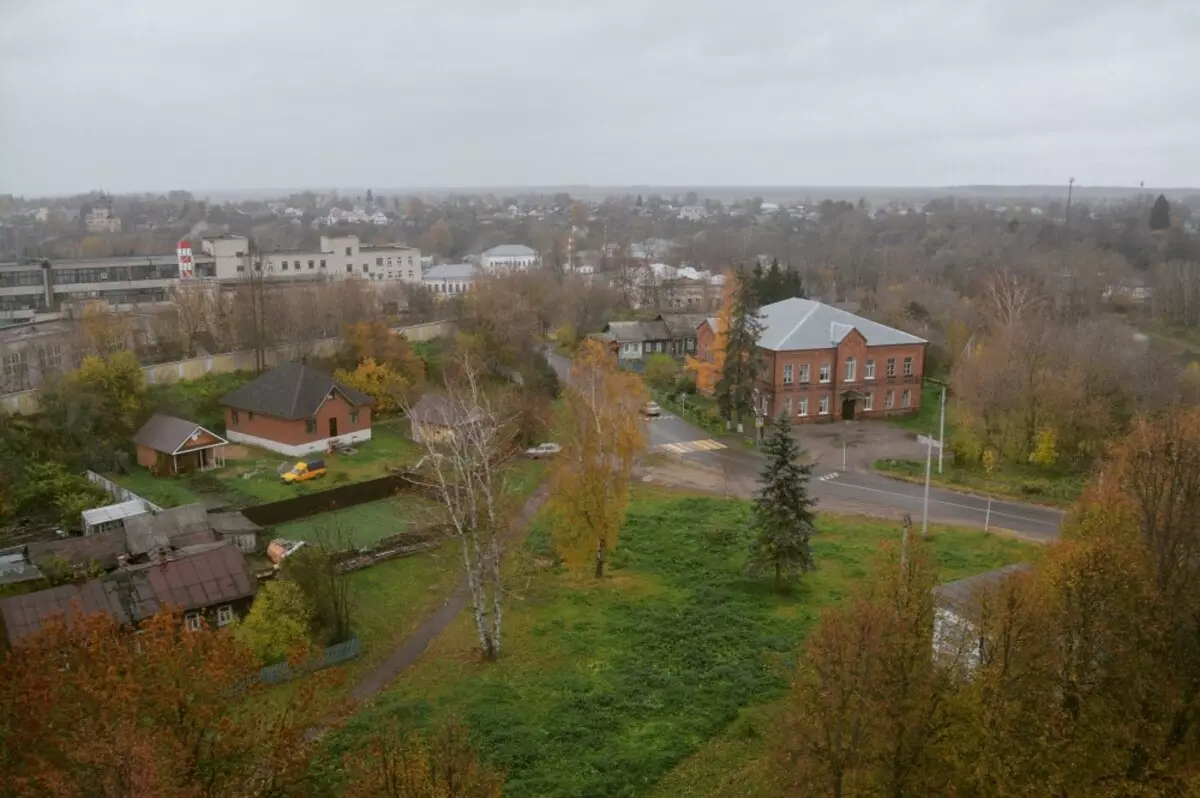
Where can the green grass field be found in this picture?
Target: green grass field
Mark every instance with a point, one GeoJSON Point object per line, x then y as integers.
{"type": "Point", "coordinates": [363, 524]}
{"type": "Point", "coordinates": [1021, 483]}
{"type": "Point", "coordinates": [607, 687]}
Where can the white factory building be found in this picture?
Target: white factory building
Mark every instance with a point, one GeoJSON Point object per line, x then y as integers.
{"type": "Point", "coordinates": [339, 257]}
{"type": "Point", "coordinates": [509, 257]}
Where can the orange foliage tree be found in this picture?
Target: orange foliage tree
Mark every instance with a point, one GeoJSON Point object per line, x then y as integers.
{"type": "Point", "coordinates": [374, 341]}
{"type": "Point", "coordinates": [602, 435]}
{"type": "Point", "coordinates": [389, 389]}
{"type": "Point", "coordinates": [395, 764]}
{"type": "Point", "coordinates": [87, 708]}
{"type": "Point", "coordinates": [708, 372]}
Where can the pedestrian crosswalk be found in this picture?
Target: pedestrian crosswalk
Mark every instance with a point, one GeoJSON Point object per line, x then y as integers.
{"type": "Point", "coordinates": [684, 447]}
{"type": "Point", "coordinates": [827, 477]}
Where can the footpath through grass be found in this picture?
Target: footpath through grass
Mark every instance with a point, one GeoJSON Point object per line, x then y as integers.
{"type": "Point", "coordinates": [606, 686]}
{"type": "Point", "coordinates": [1025, 484]}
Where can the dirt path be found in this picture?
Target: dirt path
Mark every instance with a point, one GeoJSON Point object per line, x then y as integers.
{"type": "Point", "coordinates": [411, 648]}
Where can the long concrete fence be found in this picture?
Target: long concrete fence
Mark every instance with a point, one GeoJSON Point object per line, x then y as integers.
{"type": "Point", "coordinates": [26, 402]}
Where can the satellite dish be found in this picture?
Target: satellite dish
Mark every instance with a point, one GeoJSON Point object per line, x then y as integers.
{"type": "Point", "coordinates": [196, 435]}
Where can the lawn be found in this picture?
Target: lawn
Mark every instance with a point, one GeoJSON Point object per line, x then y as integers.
{"type": "Point", "coordinates": [1021, 483]}
{"type": "Point", "coordinates": [927, 419]}
{"type": "Point", "coordinates": [362, 524]}
{"type": "Point", "coordinates": [389, 446]}
{"type": "Point", "coordinates": [606, 687]}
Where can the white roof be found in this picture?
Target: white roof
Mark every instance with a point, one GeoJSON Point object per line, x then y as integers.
{"type": "Point", "coordinates": [114, 512]}
{"type": "Point", "coordinates": [510, 251]}
{"type": "Point", "coordinates": [451, 271]}
{"type": "Point", "coordinates": [804, 324]}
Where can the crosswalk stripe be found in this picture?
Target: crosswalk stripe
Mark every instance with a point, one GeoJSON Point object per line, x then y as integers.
{"type": "Point", "coordinates": [683, 447]}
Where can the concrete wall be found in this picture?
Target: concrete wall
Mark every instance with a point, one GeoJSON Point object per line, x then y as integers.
{"type": "Point", "coordinates": [26, 402]}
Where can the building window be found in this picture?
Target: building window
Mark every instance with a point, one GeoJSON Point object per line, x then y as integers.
{"type": "Point", "coordinates": [905, 398]}
{"type": "Point", "coordinates": [322, 263]}
{"type": "Point", "coordinates": [824, 406]}
{"type": "Point", "coordinates": [366, 268]}
{"type": "Point", "coordinates": [908, 367]}
{"type": "Point", "coordinates": [787, 406]}
{"type": "Point", "coordinates": [869, 402]}
{"type": "Point", "coordinates": [284, 266]}
{"type": "Point", "coordinates": [353, 416]}
{"type": "Point", "coordinates": [233, 417]}
{"type": "Point", "coordinates": [192, 621]}
{"type": "Point", "coordinates": [824, 372]}
{"type": "Point", "coordinates": [851, 367]}
{"type": "Point", "coordinates": [349, 268]}
{"type": "Point", "coordinates": [888, 400]}
{"type": "Point", "coordinates": [312, 264]}
{"type": "Point", "coordinates": [241, 267]}
{"type": "Point", "coordinates": [224, 615]}
{"type": "Point", "coordinates": [310, 425]}
{"type": "Point", "coordinates": [379, 261]}
{"type": "Point", "coordinates": [787, 374]}
{"type": "Point", "coordinates": [803, 411]}
{"type": "Point", "coordinates": [297, 265]}
{"type": "Point", "coordinates": [870, 370]}
{"type": "Point", "coordinates": [891, 367]}
{"type": "Point", "coordinates": [804, 373]}
{"type": "Point", "coordinates": [348, 252]}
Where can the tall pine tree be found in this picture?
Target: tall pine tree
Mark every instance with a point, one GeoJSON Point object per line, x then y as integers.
{"type": "Point", "coordinates": [742, 367]}
{"type": "Point", "coordinates": [1160, 214]}
{"type": "Point", "coordinates": [784, 518]}
{"type": "Point", "coordinates": [777, 283]}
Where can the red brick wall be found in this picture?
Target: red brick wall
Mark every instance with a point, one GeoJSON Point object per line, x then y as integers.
{"type": "Point", "coordinates": [293, 432]}
{"type": "Point", "coordinates": [146, 456]}
{"type": "Point", "coordinates": [852, 346]}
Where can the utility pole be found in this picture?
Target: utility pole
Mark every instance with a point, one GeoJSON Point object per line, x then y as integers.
{"type": "Point", "coordinates": [925, 506]}
{"type": "Point", "coordinates": [906, 526]}
{"type": "Point", "coordinates": [941, 432]}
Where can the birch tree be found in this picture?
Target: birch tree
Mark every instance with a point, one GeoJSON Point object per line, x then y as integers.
{"type": "Point", "coordinates": [602, 436]}
{"type": "Point", "coordinates": [465, 474]}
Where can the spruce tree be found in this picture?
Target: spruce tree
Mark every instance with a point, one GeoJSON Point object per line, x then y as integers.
{"type": "Point", "coordinates": [742, 366]}
{"type": "Point", "coordinates": [1160, 214]}
{"type": "Point", "coordinates": [784, 518]}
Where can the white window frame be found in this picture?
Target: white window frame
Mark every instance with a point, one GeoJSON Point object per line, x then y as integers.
{"type": "Point", "coordinates": [906, 398]}
{"type": "Point", "coordinates": [803, 409]}
{"type": "Point", "coordinates": [224, 615]}
{"type": "Point", "coordinates": [869, 371]}
{"type": "Point", "coordinates": [787, 374]}
{"type": "Point", "coordinates": [869, 402]}
{"type": "Point", "coordinates": [851, 369]}
{"type": "Point", "coordinates": [889, 400]}
{"type": "Point", "coordinates": [823, 406]}
{"type": "Point", "coordinates": [192, 621]}
{"type": "Point", "coordinates": [908, 366]}
{"type": "Point", "coordinates": [787, 406]}
{"type": "Point", "coordinates": [804, 372]}
{"type": "Point", "coordinates": [891, 367]}
{"type": "Point", "coordinates": [823, 375]}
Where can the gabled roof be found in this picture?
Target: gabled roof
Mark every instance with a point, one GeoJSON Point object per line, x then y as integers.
{"type": "Point", "coordinates": [796, 323]}
{"type": "Point", "coordinates": [210, 575]}
{"type": "Point", "coordinates": [682, 325]}
{"type": "Point", "coordinates": [168, 434]}
{"type": "Point", "coordinates": [629, 332]}
{"type": "Point", "coordinates": [959, 594]}
{"type": "Point", "coordinates": [291, 391]}
{"type": "Point", "coordinates": [176, 526]}
{"type": "Point", "coordinates": [102, 548]}
{"type": "Point", "coordinates": [438, 411]}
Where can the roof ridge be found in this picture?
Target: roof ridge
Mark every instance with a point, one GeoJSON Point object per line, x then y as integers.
{"type": "Point", "coordinates": [803, 319]}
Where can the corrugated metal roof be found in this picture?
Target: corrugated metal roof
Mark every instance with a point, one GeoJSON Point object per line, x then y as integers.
{"type": "Point", "coordinates": [796, 324]}
{"type": "Point", "coordinates": [146, 533]}
{"type": "Point", "coordinates": [102, 548]}
{"type": "Point", "coordinates": [114, 512]}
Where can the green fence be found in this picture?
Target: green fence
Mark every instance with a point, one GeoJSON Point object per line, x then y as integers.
{"type": "Point", "coordinates": [334, 655]}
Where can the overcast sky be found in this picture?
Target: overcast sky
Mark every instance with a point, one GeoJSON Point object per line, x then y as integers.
{"type": "Point", "coordinates": [241, 94]}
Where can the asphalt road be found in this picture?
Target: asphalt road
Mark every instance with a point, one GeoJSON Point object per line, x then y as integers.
{"type": "Point", "coordinates": [672, 435]}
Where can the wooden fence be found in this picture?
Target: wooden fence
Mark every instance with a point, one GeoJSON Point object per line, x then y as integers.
{"type": "Point", "coordinates": [285, 510]}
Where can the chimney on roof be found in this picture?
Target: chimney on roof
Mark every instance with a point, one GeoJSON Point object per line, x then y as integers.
{"type": "Point", "coordinates": [162, 557]}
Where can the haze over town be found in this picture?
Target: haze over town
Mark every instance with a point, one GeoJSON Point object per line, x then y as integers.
{"type": "Point", "coordinates": [467, 399]}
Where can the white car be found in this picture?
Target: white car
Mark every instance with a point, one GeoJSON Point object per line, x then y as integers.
{"type": "Point", "coordinates": [543, 450]}
{"type": "Point", "coordinates": [651, 410]}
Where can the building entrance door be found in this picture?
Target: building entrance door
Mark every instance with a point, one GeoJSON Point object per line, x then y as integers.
{"type": "Point", "coordinates": [333, 427]}
{"type": "Point", "coordinates": [848, 408]}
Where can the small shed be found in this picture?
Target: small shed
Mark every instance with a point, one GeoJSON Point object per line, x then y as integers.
{"type": "Point", "coordinates": [111, 516]}
{"type": "Point", "coordinates": [168, 445]}
{"type": "Point", "coordinates": [236, 528]}
{"type": "Point", "coordinates": [435, 418]}
{"type": "Point", "coordinates": [178, 526]}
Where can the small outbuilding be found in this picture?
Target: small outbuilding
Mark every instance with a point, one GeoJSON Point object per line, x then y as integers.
{"type": "Point", "coordinates": [168, 445]}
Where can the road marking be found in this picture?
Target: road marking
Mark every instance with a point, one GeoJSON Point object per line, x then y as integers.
{"type": "Point", "coordinates": [660, 417]}
{"type": "Point", "coordinates": [684, 447]}
{"type": "Point", "coordinates": [918, 499]}
{"type": "Point", "coordinates": [828, 477]}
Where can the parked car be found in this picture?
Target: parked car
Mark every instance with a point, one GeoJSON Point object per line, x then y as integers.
{"type": "Point", "coordinates": [651, 410]}
{"type": "Point", "coordinates": [543, 450]}
{"type": "Point", "coordinates": [305, 470]}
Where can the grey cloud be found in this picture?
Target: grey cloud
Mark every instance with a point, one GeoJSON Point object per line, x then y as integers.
{"type": "Point", "coordinates": [155, 94]}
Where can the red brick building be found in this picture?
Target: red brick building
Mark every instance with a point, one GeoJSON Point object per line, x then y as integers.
{"type": "Point", "coordinates": [296, 410]}
{"type": "Point", "coordinates": [168, 445]}
{"type": "Point", "coordinates": [822, 363]}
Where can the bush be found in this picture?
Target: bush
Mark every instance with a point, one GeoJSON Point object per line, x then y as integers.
{"type": "Point", "coordinates": [278, 622]}
{"type": "Point", "coordinates": [661, 371]}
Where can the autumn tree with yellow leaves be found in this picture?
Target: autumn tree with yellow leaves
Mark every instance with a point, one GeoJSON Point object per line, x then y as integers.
{"type": "Point", "coordinates": [708, 371]}
{"type": "Point", "coordinates": [602, 435]}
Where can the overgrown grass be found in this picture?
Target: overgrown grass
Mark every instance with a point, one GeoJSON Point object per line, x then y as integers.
{"type": "Point", "coordinates": [197, 400]}
{"type": "Point", "coordinates": [606, 685]}
{"type": "Point", "coordinates": [1022, 483]}
{"type": "Point", "coordinates": [927, 419]}
{"type": "Point", "coordinates": [362, 524]}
